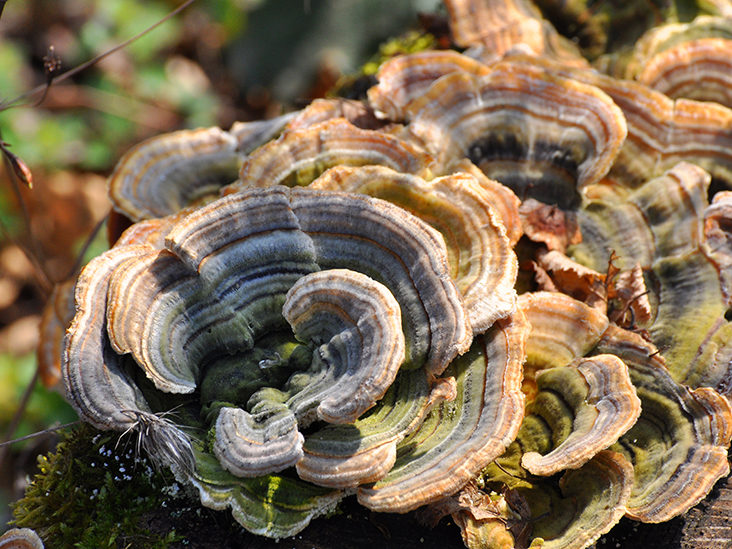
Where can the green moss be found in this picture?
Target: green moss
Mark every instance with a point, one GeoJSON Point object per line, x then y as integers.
{"type": "Point", "coordinates": [93, 492]}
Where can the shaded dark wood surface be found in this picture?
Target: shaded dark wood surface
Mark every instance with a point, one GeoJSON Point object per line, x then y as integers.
{"type": "Point", "coordinates": [707, 526]}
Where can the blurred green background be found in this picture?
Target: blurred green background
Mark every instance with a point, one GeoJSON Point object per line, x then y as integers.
{"type": "Point", "coordinates": [216, 62]}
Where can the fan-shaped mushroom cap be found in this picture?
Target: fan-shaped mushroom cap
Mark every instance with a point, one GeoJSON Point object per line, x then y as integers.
{"type": "Point", "coordinates": [405, 78]}
{"type": "Point", "coordinates": [56, 317]}
{"type": "Point", "coordinates": [661, 132]}
{"type": "Point", "coordinates": [686, 60]}
{"type": "Point", "coordinates": [222, 281]}
{"type": "Point", "coordinates": [679, 444]}
{"type": "Point", "coordinates": [169, 172]}
{"type": "Point", "coordinates": [661, 218]}
{"type": "Point", "coordinates": [572, 511]}
{"type": "Point", "coordinates": [545, 145]}
{"type": "Point", "coordinates": [503, 199]}
{"type": "Point", "coordinates": [660, 227]}
{"type": "Point", "coordinates": [461, 436]}
{"type": "Point", "coordinates": [89, 361]}
{"type": "Point", "coordinates": [300, 156]}
{"type": "Point", "coordinates": [20, 538]}
{"type": "Point", "coordinates": [698, 69]}
{"type": "Point", "coordinates": [499, 25]}
{"type": "Point", "coordinates": [366, 320]}
{"type": "Point", "coordinates": [589, 501]}
{"type": "Point", "coordinates": [346, 456]}
{"type": "Point", "coordinates": [166, 173]}
{"type": "Point", "coordinates": [562, 329]}
{"type": "Point", "coordinates": [579, 410]}
{"type": "Point", "coordinates": [481, 260]}
{"type": "Point", "coordinates": [275, 506]}
{"type": "Point", "coordinates": [100, 384]}
{"type": "Point", "coordinates": [691, 301]}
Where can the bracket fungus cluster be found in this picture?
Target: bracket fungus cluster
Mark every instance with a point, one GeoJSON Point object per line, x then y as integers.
{"type": "Point", "coordinates": [496, 288]}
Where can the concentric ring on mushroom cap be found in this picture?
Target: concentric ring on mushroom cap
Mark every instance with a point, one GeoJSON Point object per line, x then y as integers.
{"type": "Point", "coordinates": [496, 26]}
{"type": "Point", "coordinates": [481, 260]}
{"type": "Point", "coordinates": [662, 217]}
{"type": "Point", "coordinates": [221, 284]}
{"type": "Point", "coordinates": [56, 317]}
{"type": "Point", "coordinates": [301, 155]}
{"type": "Point", "coordinates": [407, 77]}
{"type": "Point", "coordinates": [679, 444]}
{"type": "Point", "coordinates": [20, 538]}
{"type": "Point", "coordinates": [688, 60]}
{"type": "Point", "coordinates": [168, 172]}
{"type": "Point", "coordinates": [597, 403]}
{"type": "Point", "coordinates": [460, 437]}
{"type": "Point", "coordinates": [165, 173]}
{"type": "Point", "coordinates": [661, 132]}
{"type": "Point", "coordinates": [562, 330]}
{"type": "Point", "coordinates": [542, 135]}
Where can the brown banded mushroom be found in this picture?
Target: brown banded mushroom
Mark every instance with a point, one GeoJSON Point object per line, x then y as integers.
{"type": "Point", "coordinates": [688, 60]}
{"type": "Point", "coordinates": [215, 302]}
{"type": "Point", "coordinates": [662, 217]}
{"type": "Point", "coordinates": [598, 394]}
{"type": "Point", "coordinates": [169, 172]}
{"type": "Point", "coordinates": [481, 260]}
{"type": "Point", "coordinates": [321, 110]}
{"type": "Point", "coordinates": [301, 155]}
{"type": "Point", "coordinates": [462, 435]}
{"type": "Point", "coordinates": [571, 511]}
{"type": "Point", "coordinates": [405, 78]}
{"type": "Point", "coordinates": [56, 317]}
{"type": "Point", "coordinates": [679, 445]}
{"type": "Point", "coordinates": [20, 538]}
{"type": "Point", "coordinates": [497, 26]}
{"type": "Point", "coordinates": [562, 330]}
{"type": "Point", "coordinates": [319, 343]}
{"type": "Point", "coordinates": [661, 227]}
{"type": "Point", "coordinates": [661, 132]}
{"type": "Point", "coordinates": [546, 145]}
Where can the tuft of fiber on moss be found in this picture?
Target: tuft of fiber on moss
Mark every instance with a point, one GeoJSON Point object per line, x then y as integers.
{"type": "Point", "coordinates": [95, 491]}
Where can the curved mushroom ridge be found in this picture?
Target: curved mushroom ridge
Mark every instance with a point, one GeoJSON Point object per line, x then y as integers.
{"type": "Point", "coordinates": [216, 299]}
{"type": "Point", "coordinates": [540, 134]}
{"type": "Point", "coordinates": [461, 435]}
{"type": "Point", "coordinates": [356, 320]}
{"type": "Point", "coordinates": [587, 502]}
{"type": "Point", "coordinates": [699, 70]}
{"type": "Point", "coordinates": [405, 78]}
{"type": "Point", "coordinates": [661, 218]}
{"type": "Point", "coordinates": [494, 27]}
{"type": "Point", "coordinates": [586, 405]}
{"type": "Point", "coordinates": [301, 155]}
{"type": "Point", "coordinates": [562, 330]}
{"type": "Point", "coordinates": [661, 131]}
{"type": "Point", "coordinates": [679, 445]}
{"type": "Point", "coordinates": [357, 324]}
{"type": "Point", "coordinates": [482, 262]}
{"type": "Point", "coordinates": [686, 59]}
{"type": "Point", "coordinates": [164, 174]}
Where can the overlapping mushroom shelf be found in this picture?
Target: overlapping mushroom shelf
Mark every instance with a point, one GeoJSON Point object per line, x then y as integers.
{"type": "Point", "coordinates": [498, 289]}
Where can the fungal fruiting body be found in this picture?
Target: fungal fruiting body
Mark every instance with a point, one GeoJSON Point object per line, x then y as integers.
{"type": "Point", "coordinates": [499, 274]}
